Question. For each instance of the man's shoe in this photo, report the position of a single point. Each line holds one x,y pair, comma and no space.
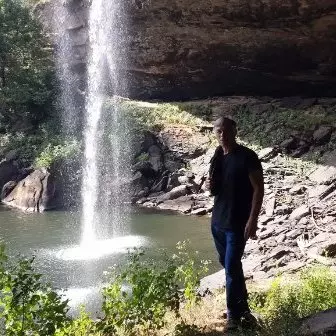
248,321
232,324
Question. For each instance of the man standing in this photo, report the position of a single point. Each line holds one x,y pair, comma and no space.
236,181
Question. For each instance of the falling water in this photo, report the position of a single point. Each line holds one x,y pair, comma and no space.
105,147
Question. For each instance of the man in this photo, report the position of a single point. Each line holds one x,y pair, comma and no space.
236,181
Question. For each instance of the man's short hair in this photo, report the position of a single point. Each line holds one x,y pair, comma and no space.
225,121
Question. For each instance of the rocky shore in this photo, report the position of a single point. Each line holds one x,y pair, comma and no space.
297,222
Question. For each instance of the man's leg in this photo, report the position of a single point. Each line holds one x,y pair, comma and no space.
219,237
236,293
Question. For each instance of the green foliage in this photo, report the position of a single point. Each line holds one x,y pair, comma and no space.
82,326
286,302
154,116
142,157
26,67
141,292
54,153
42,149
27,305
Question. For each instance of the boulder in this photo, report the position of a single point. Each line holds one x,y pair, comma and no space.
300,212
320,324
322,135
267,153
181,204
174,193
35,193
199,212
324,175
269,206
7,188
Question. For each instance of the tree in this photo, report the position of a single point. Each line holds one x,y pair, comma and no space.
26,66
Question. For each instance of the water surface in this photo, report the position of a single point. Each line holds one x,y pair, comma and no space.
54,238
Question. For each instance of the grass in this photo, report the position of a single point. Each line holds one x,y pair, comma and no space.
287,301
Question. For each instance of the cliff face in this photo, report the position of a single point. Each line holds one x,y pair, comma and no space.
192,48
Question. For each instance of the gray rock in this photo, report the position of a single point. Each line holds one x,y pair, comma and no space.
294,266
183,179
267,233
142,200
317,191
324,175
213,282
297,190
328,248
7,188
267,153
293,233
279,252
269,206
322,191
34,194
300,212
323,324
322,135
281,238
264,219
174,193
283,210
181,204
199,212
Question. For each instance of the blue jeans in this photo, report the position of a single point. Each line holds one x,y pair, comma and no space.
230,246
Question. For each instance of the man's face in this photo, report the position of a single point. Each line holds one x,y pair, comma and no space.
225,134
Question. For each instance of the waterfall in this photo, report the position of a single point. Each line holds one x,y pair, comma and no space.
105,134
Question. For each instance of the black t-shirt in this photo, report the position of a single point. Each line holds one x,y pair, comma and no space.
232,187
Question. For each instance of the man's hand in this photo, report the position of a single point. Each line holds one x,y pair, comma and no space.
251,229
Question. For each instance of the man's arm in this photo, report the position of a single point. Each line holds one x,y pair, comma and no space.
257,181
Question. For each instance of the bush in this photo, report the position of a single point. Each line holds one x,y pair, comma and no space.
28,306
285,303
141,292
54,153
82,326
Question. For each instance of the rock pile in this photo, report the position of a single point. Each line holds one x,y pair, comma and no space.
297,222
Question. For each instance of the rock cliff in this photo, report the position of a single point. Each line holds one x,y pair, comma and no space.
180,49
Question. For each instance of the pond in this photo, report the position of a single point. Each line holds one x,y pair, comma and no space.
54,238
